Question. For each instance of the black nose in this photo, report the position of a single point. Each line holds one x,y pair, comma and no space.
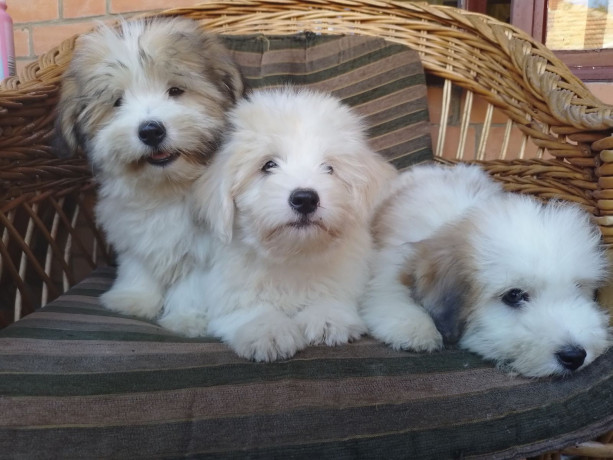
304,201
571,357
151,133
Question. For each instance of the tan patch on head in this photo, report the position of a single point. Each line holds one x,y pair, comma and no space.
382,223
197,56
446,278
203,157
244,169
406,278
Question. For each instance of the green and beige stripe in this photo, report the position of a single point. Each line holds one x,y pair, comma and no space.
383,81
77,381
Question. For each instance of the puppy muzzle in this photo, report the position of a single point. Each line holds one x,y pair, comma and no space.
153,133
162,158
571,357
304,201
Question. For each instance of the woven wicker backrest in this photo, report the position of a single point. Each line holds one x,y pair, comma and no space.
383,82
562,127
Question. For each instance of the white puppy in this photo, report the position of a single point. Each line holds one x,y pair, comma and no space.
147,103
509,278
290,196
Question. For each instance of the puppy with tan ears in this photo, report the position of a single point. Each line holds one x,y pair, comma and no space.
147,102
290,197
503,275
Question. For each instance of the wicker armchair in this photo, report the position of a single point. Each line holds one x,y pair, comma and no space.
48,237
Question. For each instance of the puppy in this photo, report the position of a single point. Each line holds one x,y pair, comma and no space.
505,276
290,197
147,102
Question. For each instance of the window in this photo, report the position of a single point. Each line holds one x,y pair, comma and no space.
580,32
579,24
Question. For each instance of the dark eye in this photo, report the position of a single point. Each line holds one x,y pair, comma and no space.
515,297
174,91
327,168
269,165
118,102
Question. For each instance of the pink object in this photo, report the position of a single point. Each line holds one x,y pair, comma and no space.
7,45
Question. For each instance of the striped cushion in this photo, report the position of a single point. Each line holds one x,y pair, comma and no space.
79,381
383,81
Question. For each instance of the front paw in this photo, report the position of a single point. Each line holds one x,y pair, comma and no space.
188,323
132,302
268,338
330,326
414,335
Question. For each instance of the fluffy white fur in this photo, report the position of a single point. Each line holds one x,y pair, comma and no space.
280,278
504,275
147,103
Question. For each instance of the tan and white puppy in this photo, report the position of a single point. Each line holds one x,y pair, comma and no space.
147,102
290,197
503,275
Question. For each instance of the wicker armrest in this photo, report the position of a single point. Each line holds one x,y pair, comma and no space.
48,237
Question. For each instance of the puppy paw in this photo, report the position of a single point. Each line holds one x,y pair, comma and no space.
185,311
330,326
414,336
132,302
268,339
189,325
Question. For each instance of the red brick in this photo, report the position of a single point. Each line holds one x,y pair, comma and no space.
452,140
83,8
494,144
22,42
435,100
602,90
124,6
32,10
46,37
479,109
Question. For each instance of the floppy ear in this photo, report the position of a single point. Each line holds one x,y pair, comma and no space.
212,198
382,174
67,138
443,281
226,69
372,176
232,80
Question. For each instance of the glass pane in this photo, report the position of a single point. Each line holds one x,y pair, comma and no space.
499,9
579,24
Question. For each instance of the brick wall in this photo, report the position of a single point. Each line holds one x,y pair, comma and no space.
42,24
